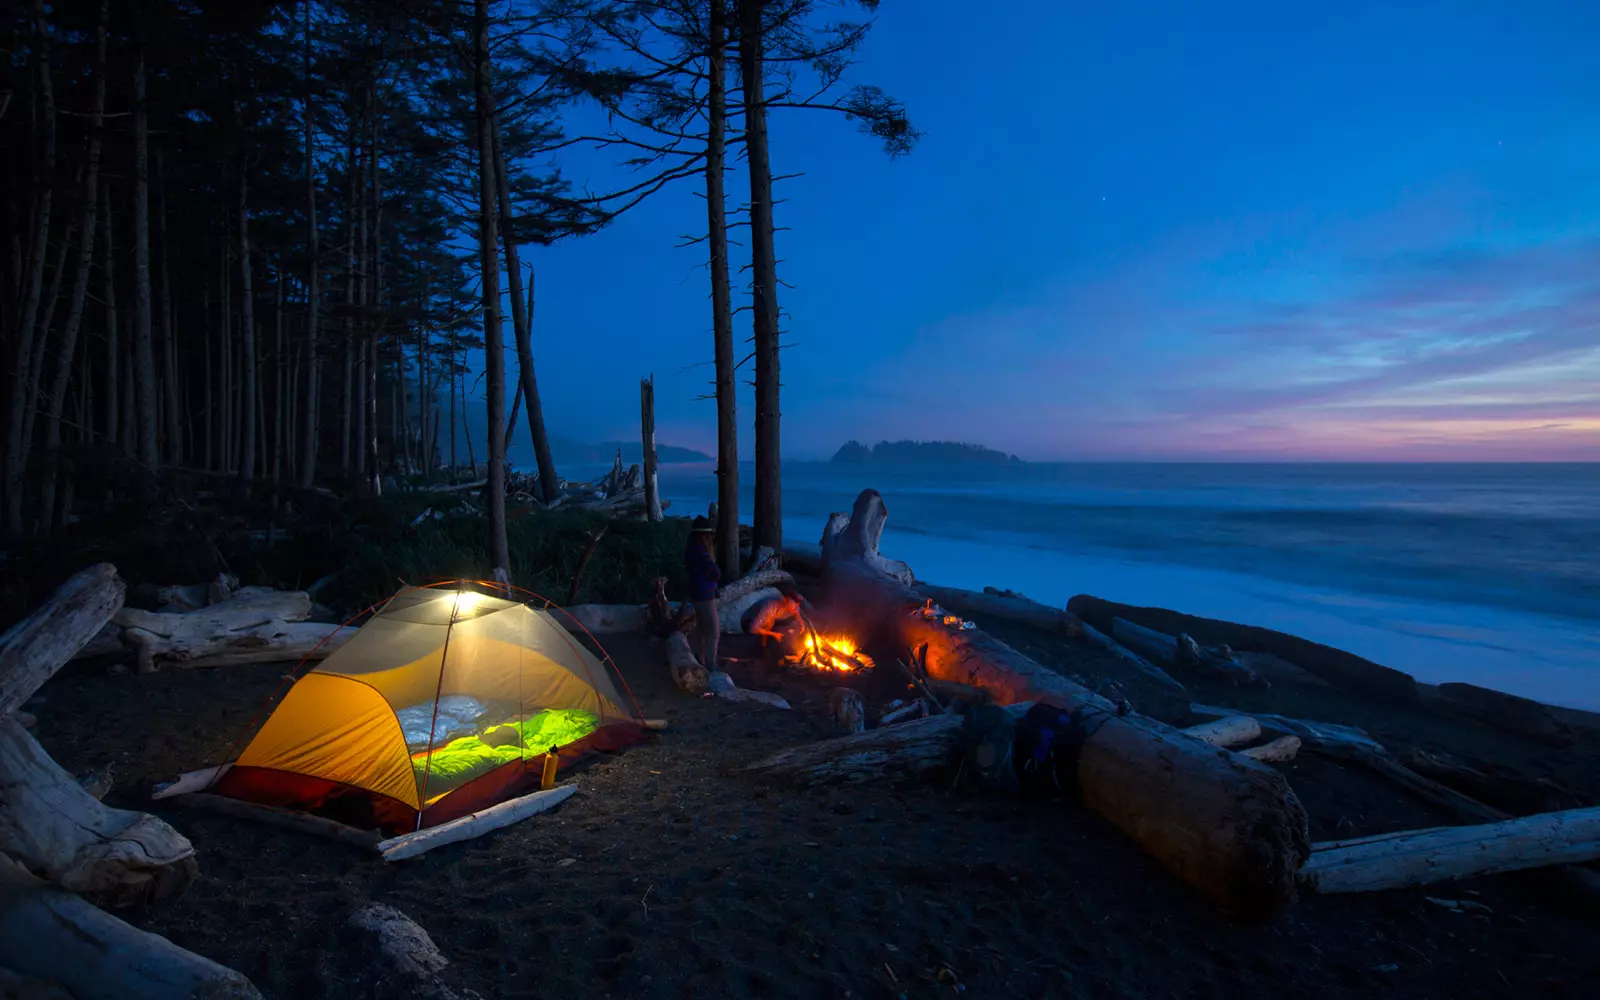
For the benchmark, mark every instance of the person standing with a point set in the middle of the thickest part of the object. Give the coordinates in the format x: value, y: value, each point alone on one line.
x: 703, y: 586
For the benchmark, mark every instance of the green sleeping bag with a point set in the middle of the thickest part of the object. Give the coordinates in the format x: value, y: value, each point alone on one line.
x: 459, y: 761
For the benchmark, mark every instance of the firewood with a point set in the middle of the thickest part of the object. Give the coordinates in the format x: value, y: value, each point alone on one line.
x: 59, y: 831
x: 848, y: 711
x: 32, y: 650
x: 1226, y: 824
x: 1279, y: 751
x: 904, y: 712
x: 475, y: 825
x: 609, y: 618
x: 57, y: 937
x: 1422, y: 857
x: 1006, y: 607
x: 687, y: 673
x: 1234, y: 731
x: 408, y: 963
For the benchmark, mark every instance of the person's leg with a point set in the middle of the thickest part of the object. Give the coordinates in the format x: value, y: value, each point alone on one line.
x: 705, y: 620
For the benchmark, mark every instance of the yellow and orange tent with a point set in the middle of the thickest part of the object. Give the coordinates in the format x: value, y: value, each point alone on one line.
x: 447, y: 700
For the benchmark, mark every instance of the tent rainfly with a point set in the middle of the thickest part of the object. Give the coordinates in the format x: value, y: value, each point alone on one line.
x: 444, y: 703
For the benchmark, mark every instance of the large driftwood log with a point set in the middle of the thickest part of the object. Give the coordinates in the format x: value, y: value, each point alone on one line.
x: 1154, y: 691
x: 907, y: 750
x: 852, y: 539
x: 1508, y: 713
x: 1004, y: 606
x: 1337, y: 667
x: 1279, y: 751
x: 610, y: 618
x: 803, y: 559
x: 761, y: 579
x: 211, y: 642
x: 1225, y: 824
x: 55, y: 936
x: 1182, y: 651
x: 1422, y: 857
x: 58, y: 831
x: 408, y: 963
x: 731, y: 611
x: 1233, y: 731
x: 687, y: 673
x: 475, y: 825
x: 32, y: 650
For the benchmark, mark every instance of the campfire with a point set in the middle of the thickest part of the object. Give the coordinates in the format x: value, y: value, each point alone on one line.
x: 832, y: 654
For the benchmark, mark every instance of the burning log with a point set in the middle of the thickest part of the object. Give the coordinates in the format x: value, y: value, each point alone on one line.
x: 1227, y: 825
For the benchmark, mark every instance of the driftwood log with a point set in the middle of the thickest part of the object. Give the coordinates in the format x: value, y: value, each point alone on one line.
x: 687, y: 673
x: 1182, y: 651
x: 1279, y: 751
x: 760, y: 579
x: 731, y: 611
x: 1517, y: 794
x: 1337, y: 667
x: 475, y: 825
x: 1155, y: 692
x: 406, y: 961
x: 254, y: 626
x: 1422, y: 857
x: 908, y: 750
x: 59, y: 938
x: 1225, y: 824
x: 32, y: 650
x: 1004, y: 606
x: 1232, y: 731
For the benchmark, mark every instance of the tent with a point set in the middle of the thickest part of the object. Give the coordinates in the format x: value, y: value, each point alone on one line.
x: 446, y: 701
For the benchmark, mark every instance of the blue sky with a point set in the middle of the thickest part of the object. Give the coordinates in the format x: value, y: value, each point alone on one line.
x: 1149, y: 231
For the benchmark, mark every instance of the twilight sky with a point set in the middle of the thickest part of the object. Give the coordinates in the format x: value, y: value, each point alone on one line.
x: 1150, y: 230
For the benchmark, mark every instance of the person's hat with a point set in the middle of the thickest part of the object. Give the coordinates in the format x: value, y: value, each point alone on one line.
x: 701, y: 526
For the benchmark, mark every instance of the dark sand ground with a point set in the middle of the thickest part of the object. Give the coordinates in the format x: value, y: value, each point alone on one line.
x: 665, y: 876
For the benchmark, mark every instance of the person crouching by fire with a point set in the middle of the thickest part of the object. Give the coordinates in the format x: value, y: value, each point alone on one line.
x: 780, y: 622
x: 703, y: 586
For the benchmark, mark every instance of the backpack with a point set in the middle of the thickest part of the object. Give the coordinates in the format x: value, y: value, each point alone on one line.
x: 1047, y: 743
x: 988, y: 736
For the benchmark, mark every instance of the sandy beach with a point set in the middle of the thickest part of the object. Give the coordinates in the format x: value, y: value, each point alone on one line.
x: 669, y: 876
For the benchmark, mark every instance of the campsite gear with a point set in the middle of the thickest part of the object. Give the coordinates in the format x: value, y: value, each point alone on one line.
x: 987, y: 743
x: 548, y: 778
x: 446, y: 701
x: 1048, y: 740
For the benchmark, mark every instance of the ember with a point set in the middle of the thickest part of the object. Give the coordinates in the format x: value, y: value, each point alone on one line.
x: 832, y: 653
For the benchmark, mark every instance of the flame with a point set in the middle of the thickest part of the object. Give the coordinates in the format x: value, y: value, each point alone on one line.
x: 837, y: 653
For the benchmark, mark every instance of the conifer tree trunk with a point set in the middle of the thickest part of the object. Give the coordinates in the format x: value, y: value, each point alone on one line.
x: 24, y: 380
x: 348, y: 430
x: 522, y: 320
x: 229, y: 437
x: 80, y: 283
x: 278, y: 362
x: 727, y: 537
x: 144, y: 368
x: 768, y: 515
x: 247, y: 329
x: 374, y: 296
x: 489, y: 258
x: 113, y: 359
x: 169, y: 347
x: 308, y: 449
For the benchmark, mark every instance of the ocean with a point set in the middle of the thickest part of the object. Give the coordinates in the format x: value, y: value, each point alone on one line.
x: 1465, y: 572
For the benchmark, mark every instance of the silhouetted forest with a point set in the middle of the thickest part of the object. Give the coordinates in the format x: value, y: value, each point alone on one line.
x: 259, y: 242
x: 924, y: 453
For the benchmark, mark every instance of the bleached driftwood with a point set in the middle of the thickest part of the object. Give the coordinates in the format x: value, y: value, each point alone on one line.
x: 731, y: 611
x: 217, y: 643
x: 687, y: 673
x: 610, y: 618
x: 1226, y: 824
x: 32, y: 650
x: 1279, y: 751
x: 408, y: 963
x: 252, y: 606
x: 760, y: 579
x: 723, y: 686
x: 908, y: 750
x: 1004, y: 606
x: 474, y: 825
x: 58, y: 831
x: 189, y: 781
x: 1155, y: 692
x: 1233, y: 731
x: 852, y: 539
x: 57, y: 937
x: 286, y: 819
x: 1423, y: 857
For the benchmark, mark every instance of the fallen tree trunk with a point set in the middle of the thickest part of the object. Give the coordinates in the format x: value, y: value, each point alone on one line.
x: 1279, y: 751
x: 1155, y: 692
x: 58, y: 831
x: 56, y: 936
x: 731, y: 611
x: 611, y: 618
x: 1182, y: 651
x: 32, y: 650
x: 1337, y: 667
x: 408, y: 963
x: 253, y: 606
x: 907, y: 750
x: 1233, y: 731
x: 1223, y: 823
x: 475, y: 825
x: 1004, y: 606
x: 1422, y: 857
x: 194, y: 645
x: 761, y: 579
x: 687, y: 673
x: 1508, y: 713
